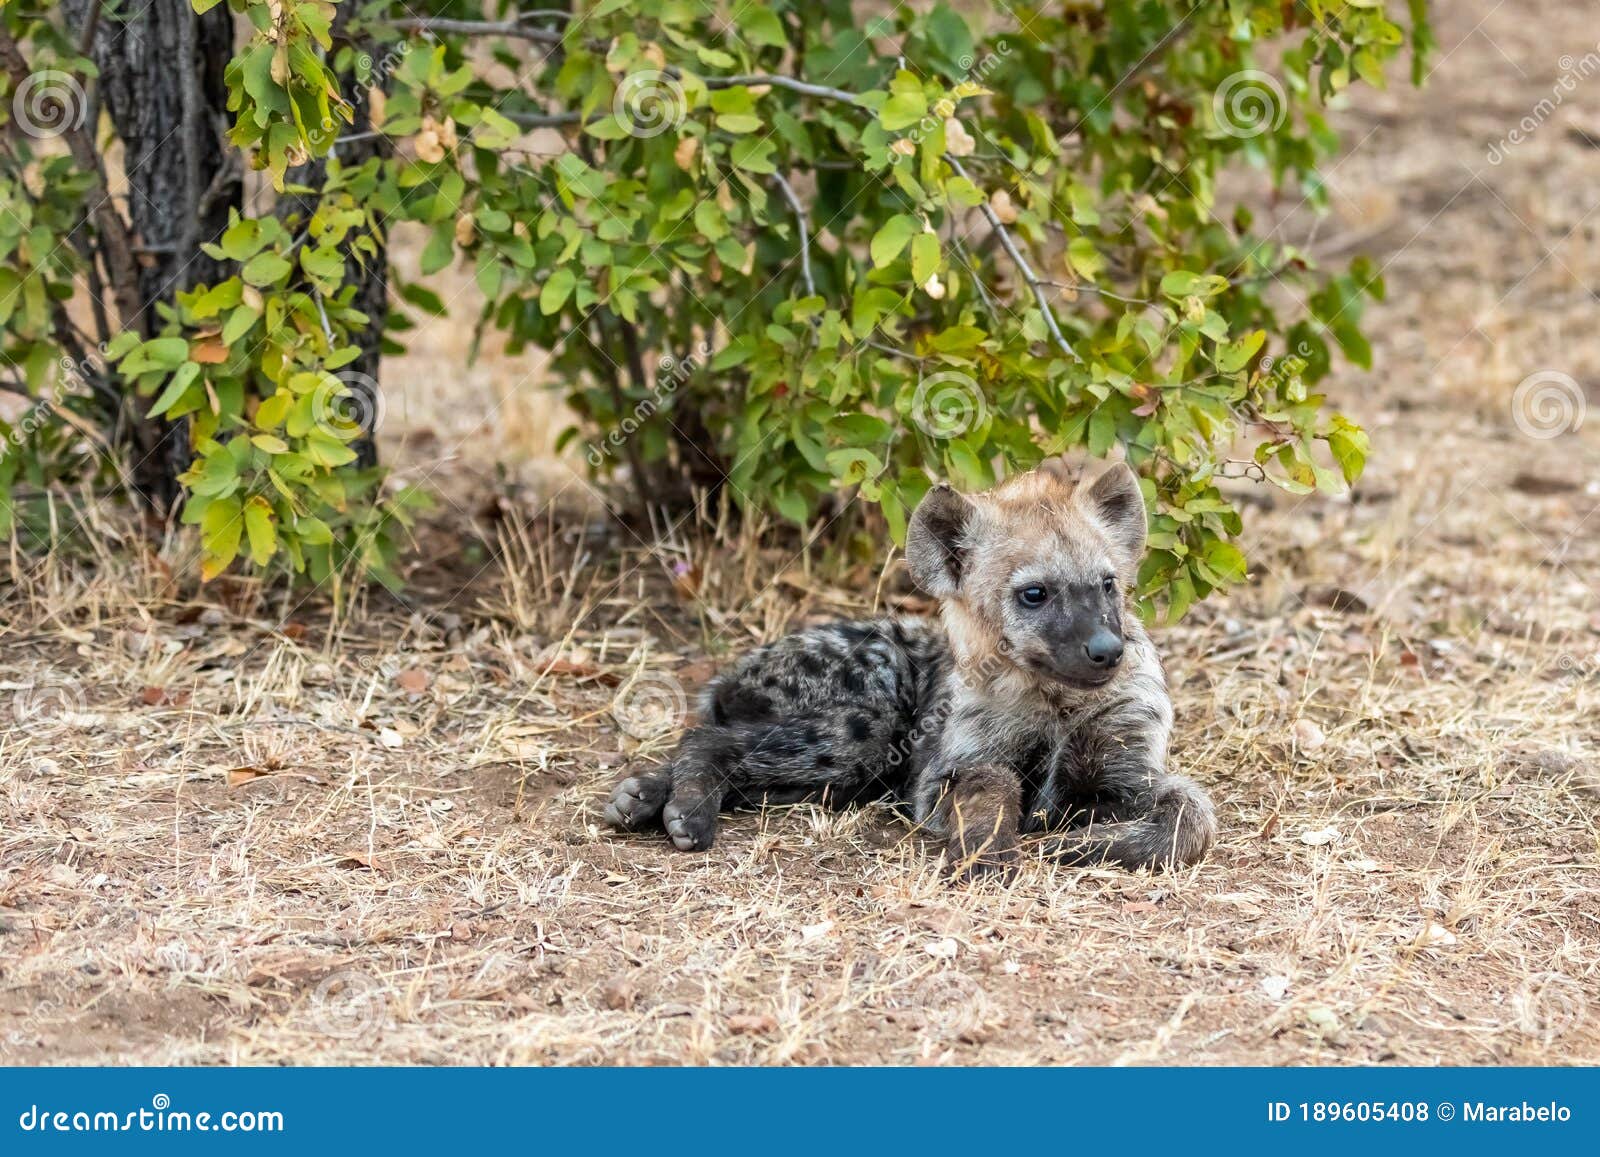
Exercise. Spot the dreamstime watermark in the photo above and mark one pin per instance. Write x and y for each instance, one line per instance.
(160, 1117)
(49, 103)
(47, 706)
(377, 72)
(649, 102)
(348, 405)
(1573, 71)
(348, 1005)
(952, 1005)
(1250, 103)
(650, 705)
(672, 374)
(948, 405)
(977, 71)
(1252, 703)
(1549, 1006)
(1548, 404)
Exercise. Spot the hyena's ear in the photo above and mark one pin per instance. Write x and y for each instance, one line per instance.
(935, 551)
(1114, 500)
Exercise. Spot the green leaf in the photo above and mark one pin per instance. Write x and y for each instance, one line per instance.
(167, 352)
(259, 526)
(1181, 283)
(924, 256)
(238, 324)
(265, 269)
(1234, 356)
(220, 529)
(555, 291)
(175, 390)
(889, 240)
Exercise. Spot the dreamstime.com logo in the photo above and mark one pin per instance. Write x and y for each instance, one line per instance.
(952, 1005)
(160, 1117)
(49, 103)
(1250, 103)
(348, 1005)
(1253, 703)
(650, 705)
(649, 103)
(1548, 404)
(1549, 1006)
(347, 405)
(948, 405)
(48, 705)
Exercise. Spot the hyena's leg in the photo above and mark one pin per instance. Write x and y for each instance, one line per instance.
(979, 812)
(1175, 830)
(636, 802)
(705, 762)
(814, 754)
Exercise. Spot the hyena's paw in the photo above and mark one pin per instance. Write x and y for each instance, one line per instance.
(637, 801)
(967, 867)
(691, 818)
(982, 821)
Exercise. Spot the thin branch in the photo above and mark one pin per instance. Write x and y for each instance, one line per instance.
(804, 88)
(1169, 40)
(512, 29)
(1023, 267)
(803, 223)
(113, 230)
(972, 271)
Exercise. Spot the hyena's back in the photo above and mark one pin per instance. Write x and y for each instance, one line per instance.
(823, 713)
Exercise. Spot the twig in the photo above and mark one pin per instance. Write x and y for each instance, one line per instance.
(1169, 39)
(113, 230)
(804, 224)
(1022, 265)
(512, 29)
(804, 88)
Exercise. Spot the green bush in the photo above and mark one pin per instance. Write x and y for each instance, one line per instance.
(810, 248)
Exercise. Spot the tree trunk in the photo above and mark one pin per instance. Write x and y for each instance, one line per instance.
(161, 79)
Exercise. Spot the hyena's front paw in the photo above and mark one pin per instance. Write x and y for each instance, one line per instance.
(982, 822)
(637, 801)
(691, 818)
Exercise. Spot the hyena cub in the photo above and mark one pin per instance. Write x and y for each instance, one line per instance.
(1036, 705)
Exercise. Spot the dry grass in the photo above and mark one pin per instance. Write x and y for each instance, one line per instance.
(232, 830)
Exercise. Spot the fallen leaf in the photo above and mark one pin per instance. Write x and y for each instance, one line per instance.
(746, 1023)
(945, 949)
(1336, 599)
(1536, 484)
(957, 141)
(1307, 735)
(1437, 935)
(242, 775)
(619, 995)
(812, 932)
(1277, 987)
(413, 680)
(390, 738)
(1316, 837)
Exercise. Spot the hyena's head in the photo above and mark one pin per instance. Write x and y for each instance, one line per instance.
(1033, 574)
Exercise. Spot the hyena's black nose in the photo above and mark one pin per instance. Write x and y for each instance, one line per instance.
(1103, 649)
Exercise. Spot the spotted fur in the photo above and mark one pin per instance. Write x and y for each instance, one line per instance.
(1002, 720)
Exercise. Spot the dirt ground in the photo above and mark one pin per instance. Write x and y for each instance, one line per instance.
(231, 832)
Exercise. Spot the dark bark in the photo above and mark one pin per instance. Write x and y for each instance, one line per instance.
(161, 80)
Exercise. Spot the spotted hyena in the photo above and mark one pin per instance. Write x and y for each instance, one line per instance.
(1036, 704)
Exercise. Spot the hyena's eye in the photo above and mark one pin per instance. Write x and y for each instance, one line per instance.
(1032, 595)
(1109, 584)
